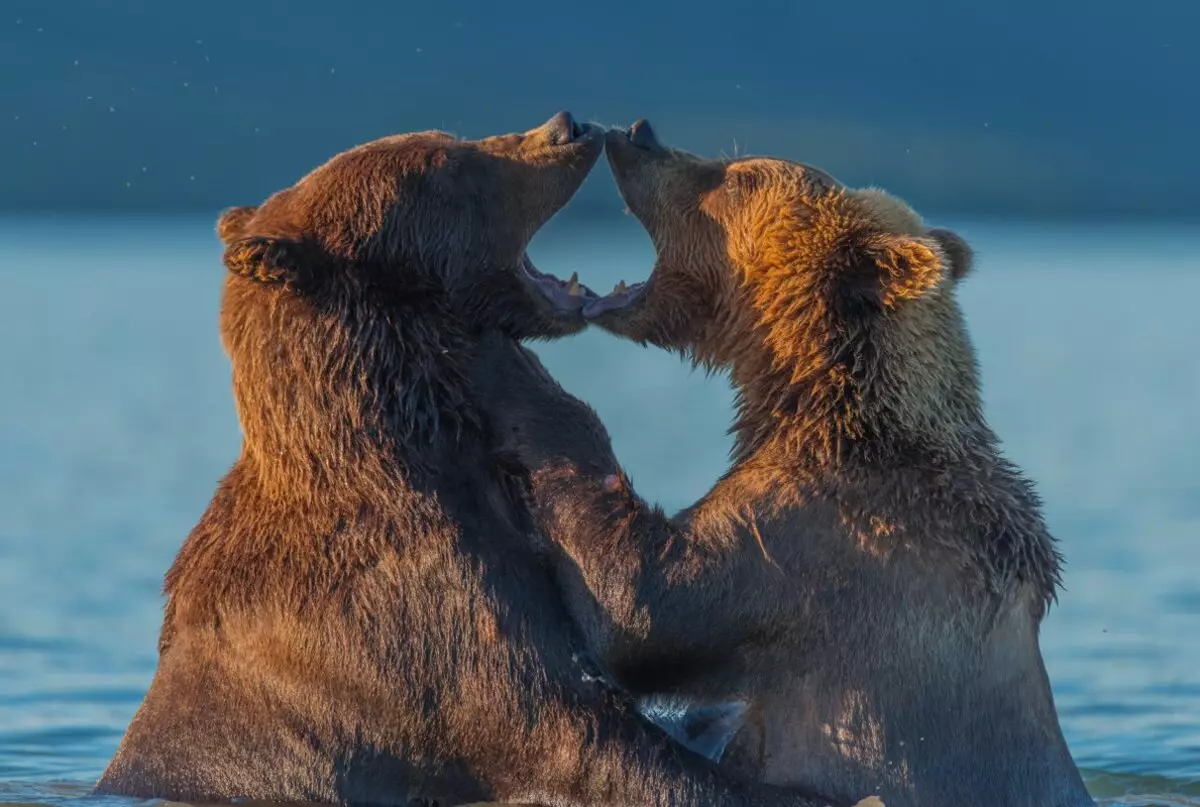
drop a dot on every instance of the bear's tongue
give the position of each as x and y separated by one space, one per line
621 296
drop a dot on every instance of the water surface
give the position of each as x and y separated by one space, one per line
116 422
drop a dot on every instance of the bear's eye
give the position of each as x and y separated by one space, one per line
738 185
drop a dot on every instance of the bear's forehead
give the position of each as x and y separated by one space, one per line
786 175
419 152
874 207
400 147
431 136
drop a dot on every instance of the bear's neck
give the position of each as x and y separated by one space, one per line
842 427
355 404
826 406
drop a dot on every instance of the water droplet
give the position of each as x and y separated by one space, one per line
112 109
420 50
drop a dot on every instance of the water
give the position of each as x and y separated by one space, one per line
116 422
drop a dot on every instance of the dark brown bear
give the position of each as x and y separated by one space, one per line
363 615
869 576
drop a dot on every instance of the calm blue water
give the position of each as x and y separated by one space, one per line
116 422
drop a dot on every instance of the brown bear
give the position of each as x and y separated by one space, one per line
869 577
364 615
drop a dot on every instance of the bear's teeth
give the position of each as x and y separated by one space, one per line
573 287
620 288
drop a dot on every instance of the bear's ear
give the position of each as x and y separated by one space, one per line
902 267
265 259
232 222
958 252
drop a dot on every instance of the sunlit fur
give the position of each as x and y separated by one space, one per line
870 574
833 310
364 615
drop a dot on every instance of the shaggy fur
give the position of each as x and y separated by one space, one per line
870 574
364 614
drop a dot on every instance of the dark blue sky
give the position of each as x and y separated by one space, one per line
1026 107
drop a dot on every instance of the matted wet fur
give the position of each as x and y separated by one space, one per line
364 614
869 576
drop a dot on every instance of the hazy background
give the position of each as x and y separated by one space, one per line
1059 138
1020 107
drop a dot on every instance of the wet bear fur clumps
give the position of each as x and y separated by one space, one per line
364 614
868 578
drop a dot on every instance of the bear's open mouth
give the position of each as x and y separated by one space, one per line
622 296
567 296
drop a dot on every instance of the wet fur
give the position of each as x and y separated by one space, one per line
365 613
870 573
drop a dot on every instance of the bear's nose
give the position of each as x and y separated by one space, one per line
563 128
642 135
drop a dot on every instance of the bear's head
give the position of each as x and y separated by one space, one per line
427 212
353 297
832 308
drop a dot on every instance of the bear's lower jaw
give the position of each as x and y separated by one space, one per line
564 296
619 299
